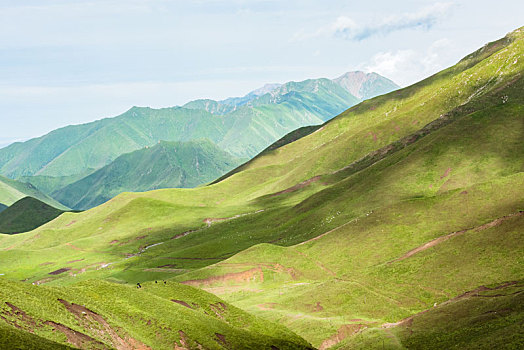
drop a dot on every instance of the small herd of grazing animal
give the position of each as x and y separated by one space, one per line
138 285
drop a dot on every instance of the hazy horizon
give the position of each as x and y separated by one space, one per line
79 61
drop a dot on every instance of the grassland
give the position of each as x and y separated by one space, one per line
403 201
26 214
101 315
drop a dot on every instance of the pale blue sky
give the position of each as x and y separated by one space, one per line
68 62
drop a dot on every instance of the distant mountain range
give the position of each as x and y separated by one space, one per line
165 165
241 126
12 191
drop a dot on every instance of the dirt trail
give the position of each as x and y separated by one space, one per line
328 232
441 239
210 221
318 263
297 186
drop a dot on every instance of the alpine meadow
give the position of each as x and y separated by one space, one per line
345 213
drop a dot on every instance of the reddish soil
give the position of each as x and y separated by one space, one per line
59 271
71 223
79 340
180 235
267 306
96 323
456 233
183 303
18 318
42 281
446 173
219 308
74 247
342 333
297 186
470 294
254 274
184 341
46 263
74 261
221 339
114 241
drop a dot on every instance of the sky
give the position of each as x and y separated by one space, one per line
68 62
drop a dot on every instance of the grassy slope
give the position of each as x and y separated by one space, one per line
485 318
26 214
165 165
122 218
467 172
112 315
11 191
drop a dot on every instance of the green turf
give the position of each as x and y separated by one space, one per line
316 235
25 215
104 314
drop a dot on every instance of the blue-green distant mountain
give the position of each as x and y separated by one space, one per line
165 165
12 191
242 126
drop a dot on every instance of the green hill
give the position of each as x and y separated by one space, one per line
241 129
25 215
12 191
404 201
2 207
103 315
165 165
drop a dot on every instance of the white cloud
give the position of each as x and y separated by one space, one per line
347 28
409 66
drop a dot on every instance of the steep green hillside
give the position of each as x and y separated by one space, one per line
484 318
11 191
403 201
26 214
103 315
165 165
243 129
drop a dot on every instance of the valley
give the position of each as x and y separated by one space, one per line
396 224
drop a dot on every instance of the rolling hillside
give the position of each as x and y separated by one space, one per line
11 191
244 129
165 165
365 232
25 215
102 315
